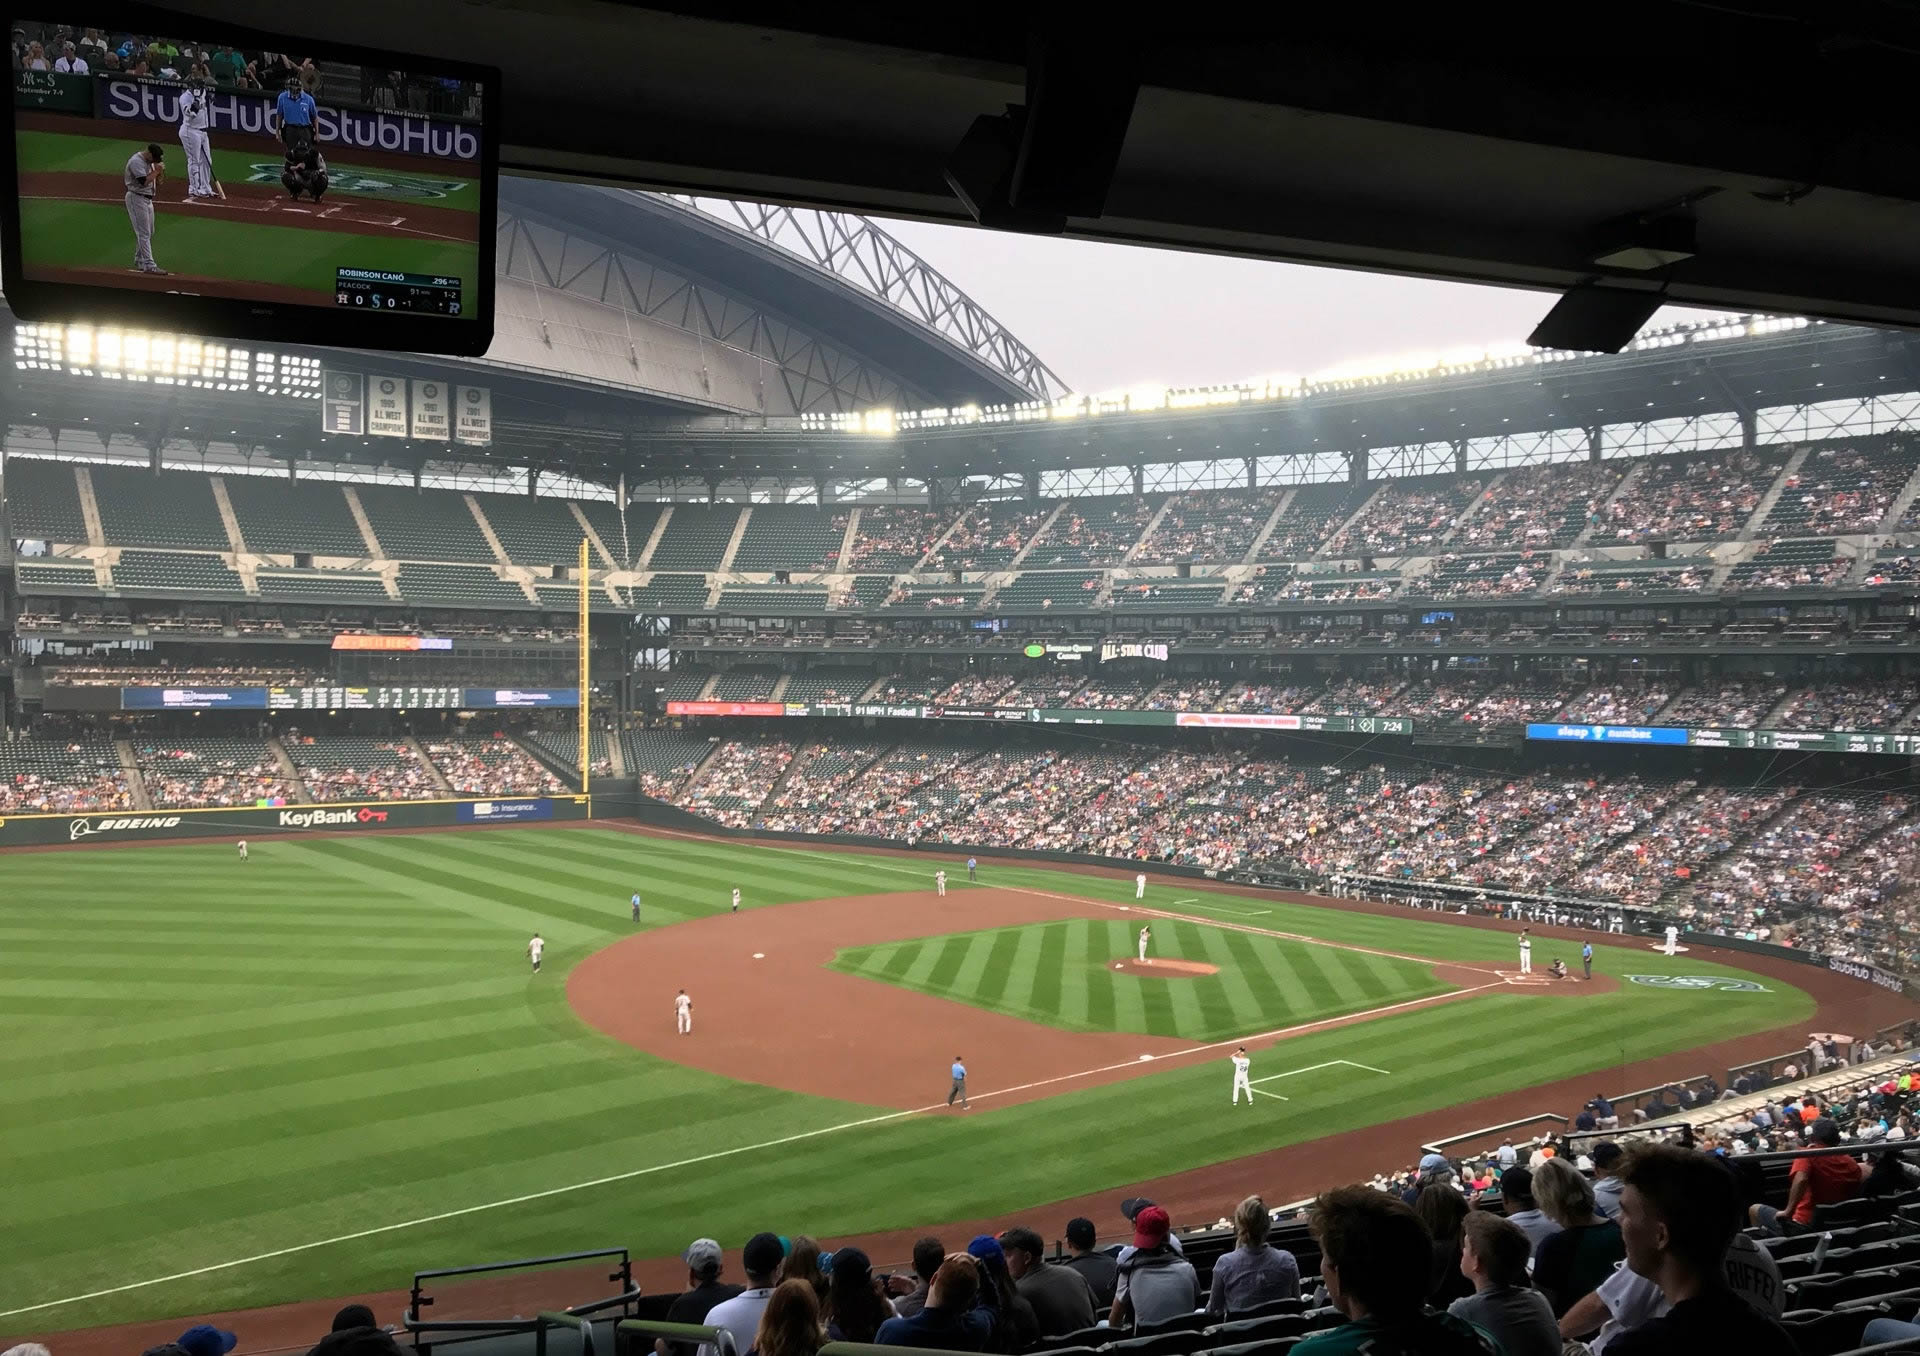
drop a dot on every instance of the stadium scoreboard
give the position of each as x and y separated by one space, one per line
322 697
388 698
1794 741
414 293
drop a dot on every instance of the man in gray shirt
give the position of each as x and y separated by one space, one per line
1062 1302
1097 1269
1156 1283
1606 1179
1503 1305
1516 1188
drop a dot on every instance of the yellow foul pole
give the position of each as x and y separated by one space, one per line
586 674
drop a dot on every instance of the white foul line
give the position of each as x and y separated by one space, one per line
1276 1096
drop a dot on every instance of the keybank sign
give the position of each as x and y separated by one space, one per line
405 133
330 819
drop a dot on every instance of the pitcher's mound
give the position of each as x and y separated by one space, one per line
1166 969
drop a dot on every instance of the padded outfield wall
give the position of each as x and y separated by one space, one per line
125 826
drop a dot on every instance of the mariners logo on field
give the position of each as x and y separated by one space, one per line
1724 983
383 184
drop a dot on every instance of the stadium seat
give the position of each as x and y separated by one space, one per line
1177 1342
278 516
1089 1338
1271 1346
1259 1329
1273 1307
1193 1322
1820 1334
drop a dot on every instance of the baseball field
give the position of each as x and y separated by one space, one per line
402 213
233 1084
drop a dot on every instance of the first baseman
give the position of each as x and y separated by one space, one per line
534 948
142 175
683 1014
1241 1064
940 883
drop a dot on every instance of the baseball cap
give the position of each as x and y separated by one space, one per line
353 1316
702 1255
1517 1181
1132 1206
203 1339
850 1260
1435 1163
1151 1227
1080 1232
1824 1131
763 1254
1606 1153
986 1248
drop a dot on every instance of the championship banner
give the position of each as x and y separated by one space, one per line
343 403
430 417
473 406
386 407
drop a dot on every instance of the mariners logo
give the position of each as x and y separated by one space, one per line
380 184
1724 983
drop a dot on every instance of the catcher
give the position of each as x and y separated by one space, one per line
305 171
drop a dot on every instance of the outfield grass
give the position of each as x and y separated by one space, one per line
1061 974
207 1060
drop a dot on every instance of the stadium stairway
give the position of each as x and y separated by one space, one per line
365 524
1038 533
1466 514
1319 552
1770 498
653 539
1898 508
939 542
228 518
1146 533
486 530
733 546
433 768
847 539
89 507
288 772
1626 482
136 784
560 767
1280 508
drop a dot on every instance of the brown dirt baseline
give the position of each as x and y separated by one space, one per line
266 204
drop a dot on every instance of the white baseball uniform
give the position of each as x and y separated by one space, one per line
1673 940
243 849
683 1015
1145 934
736 900
940 883
193 140
1526 956
534 948
1241 1064
1140 886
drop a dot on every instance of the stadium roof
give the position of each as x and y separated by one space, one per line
1779 136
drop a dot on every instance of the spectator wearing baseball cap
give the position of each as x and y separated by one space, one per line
203 1339
355 1333
1015 1328
1516 1189
1156 1283
1097 1269
1812 1182
704 1291
740 1315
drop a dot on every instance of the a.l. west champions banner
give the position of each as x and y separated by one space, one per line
430 415
473 415
386 406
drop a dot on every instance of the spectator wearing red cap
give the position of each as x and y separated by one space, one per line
1156 1283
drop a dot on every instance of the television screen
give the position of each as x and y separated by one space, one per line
178 174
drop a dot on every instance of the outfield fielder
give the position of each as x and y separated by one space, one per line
1140 886
1241 1064
1146 935
142 175
193 141
683 1014
940 883
1526 953
243 849
736 899
534 948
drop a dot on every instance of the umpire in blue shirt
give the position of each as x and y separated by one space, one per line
295 109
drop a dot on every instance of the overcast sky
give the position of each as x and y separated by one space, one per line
1106 317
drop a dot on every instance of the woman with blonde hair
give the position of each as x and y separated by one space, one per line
803 1264
790 1324
1252 1274
1569 1265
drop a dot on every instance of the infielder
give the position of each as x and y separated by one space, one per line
636 906
243 849
1526 953
736 899
1140 886
1241 1064
683 1014
940 883
193 141
1146 935
1673 940
534 948
142 176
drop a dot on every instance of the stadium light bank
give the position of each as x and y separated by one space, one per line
164 360
1375 373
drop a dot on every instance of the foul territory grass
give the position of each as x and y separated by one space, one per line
207 1060
1062 974
434 182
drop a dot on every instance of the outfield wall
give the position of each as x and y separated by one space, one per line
265 821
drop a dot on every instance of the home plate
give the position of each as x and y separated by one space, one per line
1145 1058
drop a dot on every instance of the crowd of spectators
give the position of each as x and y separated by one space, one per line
345 768
989 536
53 773
1758 575
1539 507
66 50
1094 532
95 673
976 689
1871 704
737 778
1738 703
1843 489
895 537
197 772
492 766
1696 498
1703 824
1217 527
1585 580
1624 703
1408 519
1502 576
